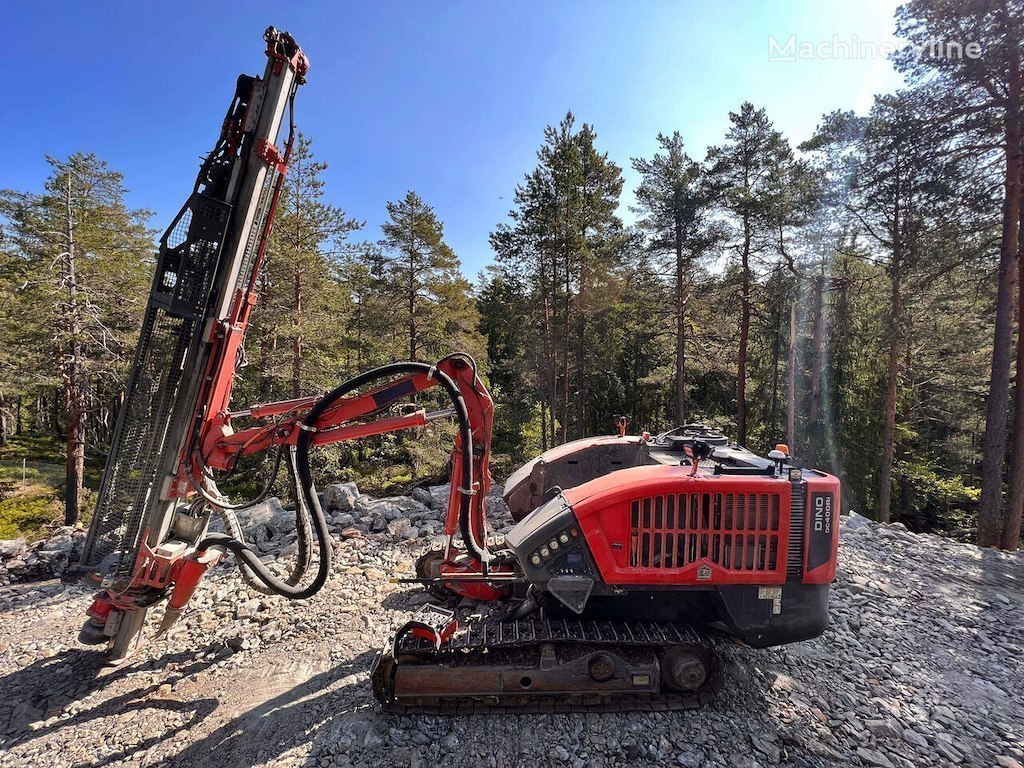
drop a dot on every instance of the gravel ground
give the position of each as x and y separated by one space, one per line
923 665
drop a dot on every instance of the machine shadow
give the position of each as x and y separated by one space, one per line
45 688
413 599
293 718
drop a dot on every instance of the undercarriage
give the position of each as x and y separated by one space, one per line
550 665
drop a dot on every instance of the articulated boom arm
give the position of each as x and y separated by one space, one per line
346 419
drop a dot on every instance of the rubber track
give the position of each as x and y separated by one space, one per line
472 642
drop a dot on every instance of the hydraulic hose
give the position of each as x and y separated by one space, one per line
308 502
476 549
305 500
304 555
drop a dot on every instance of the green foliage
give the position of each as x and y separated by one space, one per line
304 304
877 237
931 501
418 278
563 249
29 513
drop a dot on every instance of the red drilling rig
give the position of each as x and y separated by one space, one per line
629 554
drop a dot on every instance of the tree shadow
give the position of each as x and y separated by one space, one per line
39 594
44 689
414 599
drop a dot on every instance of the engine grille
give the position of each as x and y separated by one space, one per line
736 531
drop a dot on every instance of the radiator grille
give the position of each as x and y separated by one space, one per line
736 531
797 524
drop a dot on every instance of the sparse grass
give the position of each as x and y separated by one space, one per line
35 473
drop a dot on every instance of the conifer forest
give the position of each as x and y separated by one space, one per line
854 293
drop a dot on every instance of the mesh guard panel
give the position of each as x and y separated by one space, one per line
152 413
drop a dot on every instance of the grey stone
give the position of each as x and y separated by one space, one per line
342 520
62 543
268 512
882 729
914 738
395 507
439 496
422 495
874 757
341 497
856 522
11 548
399 526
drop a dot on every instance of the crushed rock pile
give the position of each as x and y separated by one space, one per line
923 665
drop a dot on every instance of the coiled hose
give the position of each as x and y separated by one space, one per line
308 507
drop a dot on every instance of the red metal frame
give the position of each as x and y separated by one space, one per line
214 444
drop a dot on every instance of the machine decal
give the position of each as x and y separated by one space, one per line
822 519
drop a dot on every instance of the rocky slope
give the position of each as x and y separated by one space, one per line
923 665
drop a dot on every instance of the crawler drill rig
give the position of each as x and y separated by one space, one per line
627 550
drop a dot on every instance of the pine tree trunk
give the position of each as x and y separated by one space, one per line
411 301
773 411
791 382
817 356
543 425
582 390
74 403
1010 538
993 442
265 331
888 436
550 370
297 335
680 333
565 357
741 368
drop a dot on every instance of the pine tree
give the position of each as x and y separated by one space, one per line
86 259
743 169
566 241
674 202
907 190
983 91
303 306
420 272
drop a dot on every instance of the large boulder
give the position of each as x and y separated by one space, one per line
341 497
60 544
439 496
855 522
268 512
399 526
423 496
11 548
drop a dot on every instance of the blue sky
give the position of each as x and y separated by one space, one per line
448 99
